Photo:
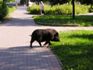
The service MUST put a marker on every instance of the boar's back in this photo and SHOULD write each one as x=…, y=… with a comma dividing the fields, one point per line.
x=41, y=35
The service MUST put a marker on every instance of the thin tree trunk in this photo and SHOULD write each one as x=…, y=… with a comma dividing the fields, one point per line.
x=73, y=9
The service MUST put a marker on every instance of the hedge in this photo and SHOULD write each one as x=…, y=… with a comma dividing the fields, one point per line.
x=64, y=9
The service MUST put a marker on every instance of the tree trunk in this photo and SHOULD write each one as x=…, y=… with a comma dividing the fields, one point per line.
x=73, y=9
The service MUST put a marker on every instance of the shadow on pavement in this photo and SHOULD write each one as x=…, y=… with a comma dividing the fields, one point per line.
x=20, y=22
x=25, y=58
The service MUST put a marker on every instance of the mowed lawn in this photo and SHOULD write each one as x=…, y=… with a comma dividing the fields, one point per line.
x=60, y=20
x=75, y=50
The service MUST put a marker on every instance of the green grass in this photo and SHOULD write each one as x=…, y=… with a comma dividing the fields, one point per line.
x=75, y=50
x=11, y=9
x=7, y=17
x=60, y=20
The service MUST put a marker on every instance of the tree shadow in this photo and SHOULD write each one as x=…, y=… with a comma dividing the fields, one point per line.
x=64, y=20
x=75, y=56
x=20, y=17
x=26, y=58
x=20, y=22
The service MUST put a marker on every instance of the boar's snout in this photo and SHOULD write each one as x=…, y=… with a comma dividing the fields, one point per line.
x=56, y=37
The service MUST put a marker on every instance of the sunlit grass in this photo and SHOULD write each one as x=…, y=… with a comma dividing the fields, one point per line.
x=75, y=50
x=11, y=9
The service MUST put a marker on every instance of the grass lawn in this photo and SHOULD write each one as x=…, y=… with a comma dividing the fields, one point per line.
x=75, y=50
x=60, y=20
x=6, y=18
x=11, y=9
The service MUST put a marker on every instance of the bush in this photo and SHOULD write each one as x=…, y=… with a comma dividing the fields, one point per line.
x=65, y=9
x=91, y=9
x=3, y=10
x=81, y=9
x=34, y=9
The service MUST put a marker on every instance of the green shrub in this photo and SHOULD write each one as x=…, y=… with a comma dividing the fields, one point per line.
x=34, y=9
x=91, y=9
x=65, y=9
x=11, y=9
x=3, y=10
x=81, y=9
x=48, y=9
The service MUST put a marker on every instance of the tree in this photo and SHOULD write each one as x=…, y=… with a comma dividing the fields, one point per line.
x=85, y=1
x=53, y=2
x=73, y=9
x=3, y=9
x=22, y=2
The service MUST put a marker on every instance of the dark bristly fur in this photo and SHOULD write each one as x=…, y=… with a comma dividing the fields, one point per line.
x=44, y=35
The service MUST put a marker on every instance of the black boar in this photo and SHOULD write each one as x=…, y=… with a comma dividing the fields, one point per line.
x=44, y=35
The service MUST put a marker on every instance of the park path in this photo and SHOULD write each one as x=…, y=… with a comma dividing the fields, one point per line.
x=15, y=53
x=20, y=18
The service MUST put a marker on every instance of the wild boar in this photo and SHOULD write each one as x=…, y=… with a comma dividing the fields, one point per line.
x=44, y=35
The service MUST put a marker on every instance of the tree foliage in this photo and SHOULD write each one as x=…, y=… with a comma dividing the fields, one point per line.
x=22, y=2
x=65, y=1
x=85, y=1
x=3, y=10
x=10, y=0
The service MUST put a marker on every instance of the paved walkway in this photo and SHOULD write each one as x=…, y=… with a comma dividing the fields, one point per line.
x=15, y=53
x=21, y=18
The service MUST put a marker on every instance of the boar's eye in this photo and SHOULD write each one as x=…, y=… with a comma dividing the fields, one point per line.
x=56, y=34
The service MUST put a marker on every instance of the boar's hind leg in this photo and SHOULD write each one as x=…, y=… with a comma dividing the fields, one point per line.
x=31, y=43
